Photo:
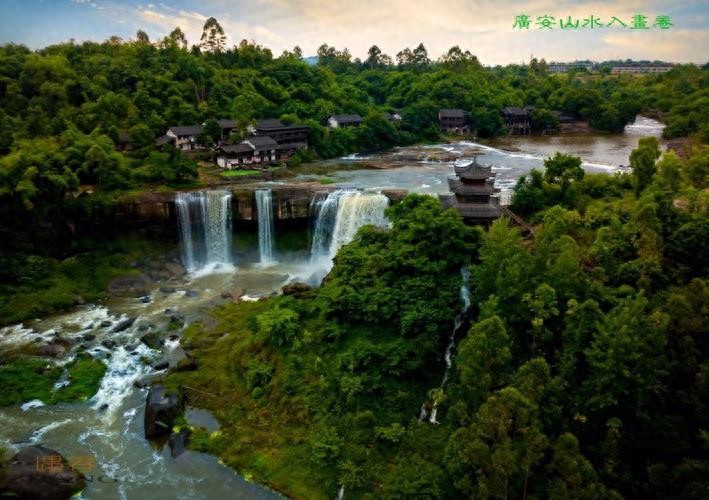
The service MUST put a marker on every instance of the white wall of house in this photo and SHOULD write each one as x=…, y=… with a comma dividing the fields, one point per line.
x=333, y=123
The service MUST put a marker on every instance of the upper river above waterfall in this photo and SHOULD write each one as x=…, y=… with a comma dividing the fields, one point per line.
x=425, y=168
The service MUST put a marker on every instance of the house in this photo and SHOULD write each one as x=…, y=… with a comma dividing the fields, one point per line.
x=227, y=127
x=517, y=120
x=392, y=117
x=474, y=194
x=233, y=155
x=344, y=121
x=124, y=143
x=454, y=120
x=185, y=137
x=163, y=141
x=264, y=148
x=639, y=70
x=295, y=135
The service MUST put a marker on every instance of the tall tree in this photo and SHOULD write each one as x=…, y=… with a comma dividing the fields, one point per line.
x=642, y=161
x=213, y=38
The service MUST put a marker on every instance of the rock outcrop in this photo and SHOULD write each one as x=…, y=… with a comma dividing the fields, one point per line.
x=161, y=409
x=39, y=473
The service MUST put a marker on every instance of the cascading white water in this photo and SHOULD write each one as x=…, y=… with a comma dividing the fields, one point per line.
x=340, y=214
x=264, y=210
x=448, y=356
x=204, y=219
x=323, y=211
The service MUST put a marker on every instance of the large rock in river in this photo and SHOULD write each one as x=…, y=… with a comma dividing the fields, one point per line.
x=39, y=473
x=160, y=411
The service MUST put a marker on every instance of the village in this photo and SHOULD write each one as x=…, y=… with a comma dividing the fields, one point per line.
x=271, y=142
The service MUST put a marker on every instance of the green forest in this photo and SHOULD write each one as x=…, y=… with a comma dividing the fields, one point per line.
x=583, y=368
x=583, y=375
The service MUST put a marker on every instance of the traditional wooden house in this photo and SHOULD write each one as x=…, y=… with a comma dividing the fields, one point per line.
x=518, y=121
x=124, y=143
x=454, y=121
x=185, y=137
x=234, y=155
x=344, y=121
x=264, y=148
x=473, y=193
x=294, y=135
x=227, y=127
x=392, y=117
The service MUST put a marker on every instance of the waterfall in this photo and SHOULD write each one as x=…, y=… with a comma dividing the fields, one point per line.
x=204, y=219
x=339, y=215
x=264, y=210
x=448, y=356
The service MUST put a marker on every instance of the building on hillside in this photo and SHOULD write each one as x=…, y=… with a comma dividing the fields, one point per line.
x=185, y=137
x=294, y=135
x=640, y=70
x=344, y=121
x=227, y=127
x=124, y=143
x=392, y=117
x=564, y=67
x=231, y=156
x=518, y=121
x=264, y=148
x=454, y=121
x=473, y=194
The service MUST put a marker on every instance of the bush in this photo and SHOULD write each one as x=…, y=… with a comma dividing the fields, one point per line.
x=280, y=324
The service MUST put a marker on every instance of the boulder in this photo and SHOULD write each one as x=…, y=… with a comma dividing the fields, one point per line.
x=39, y=473
x=89, y=337
x=131, y=286
x=53, y=350
x=178, y=442
x=161, y=409
x=295, y=288
x=106, y=323
x=123, y=325
x=152, y=340
x=174, y=269
x=108, y=344
x=145, y=299
x=162, y=365
x=191, y=293
x=167, y=290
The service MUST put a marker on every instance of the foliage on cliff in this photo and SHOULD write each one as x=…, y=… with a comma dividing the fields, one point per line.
x=584, y=374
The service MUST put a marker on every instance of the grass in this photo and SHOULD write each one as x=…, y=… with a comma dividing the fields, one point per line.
x=43, y=285
x=25, y=379
x=240, y=173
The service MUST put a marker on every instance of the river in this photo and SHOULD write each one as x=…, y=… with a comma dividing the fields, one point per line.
x=109, y=427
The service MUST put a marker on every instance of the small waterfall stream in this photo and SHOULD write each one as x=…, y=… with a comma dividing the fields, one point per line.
x=264, y=211
x=448, y=356
x=339, y=214
x=204, y=219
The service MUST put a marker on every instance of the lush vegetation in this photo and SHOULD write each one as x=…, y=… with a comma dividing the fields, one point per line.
x=26, y=379
x=584, y=374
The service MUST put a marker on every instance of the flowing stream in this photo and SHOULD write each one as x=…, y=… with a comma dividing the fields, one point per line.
x=448, y=356
x=264, y=211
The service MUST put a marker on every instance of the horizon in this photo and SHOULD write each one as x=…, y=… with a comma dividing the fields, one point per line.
x=279, y=25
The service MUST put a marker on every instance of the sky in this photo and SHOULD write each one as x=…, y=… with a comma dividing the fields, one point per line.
x=485, y=27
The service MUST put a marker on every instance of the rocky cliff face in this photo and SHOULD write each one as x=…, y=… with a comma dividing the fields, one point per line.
x=291, y=204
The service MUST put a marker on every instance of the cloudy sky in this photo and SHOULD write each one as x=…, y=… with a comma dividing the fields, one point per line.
x=485, y=27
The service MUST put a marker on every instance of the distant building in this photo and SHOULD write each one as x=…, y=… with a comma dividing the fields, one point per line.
x=617, y=70
x=517, y=120
x=564, y=67
x=124, y=142
x=454, y=120
x=344, y=121
x=473, y=194
x=185, y=137
x=392, y=117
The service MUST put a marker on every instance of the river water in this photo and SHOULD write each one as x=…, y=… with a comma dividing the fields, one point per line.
x=425, y=169
x=109, y=427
